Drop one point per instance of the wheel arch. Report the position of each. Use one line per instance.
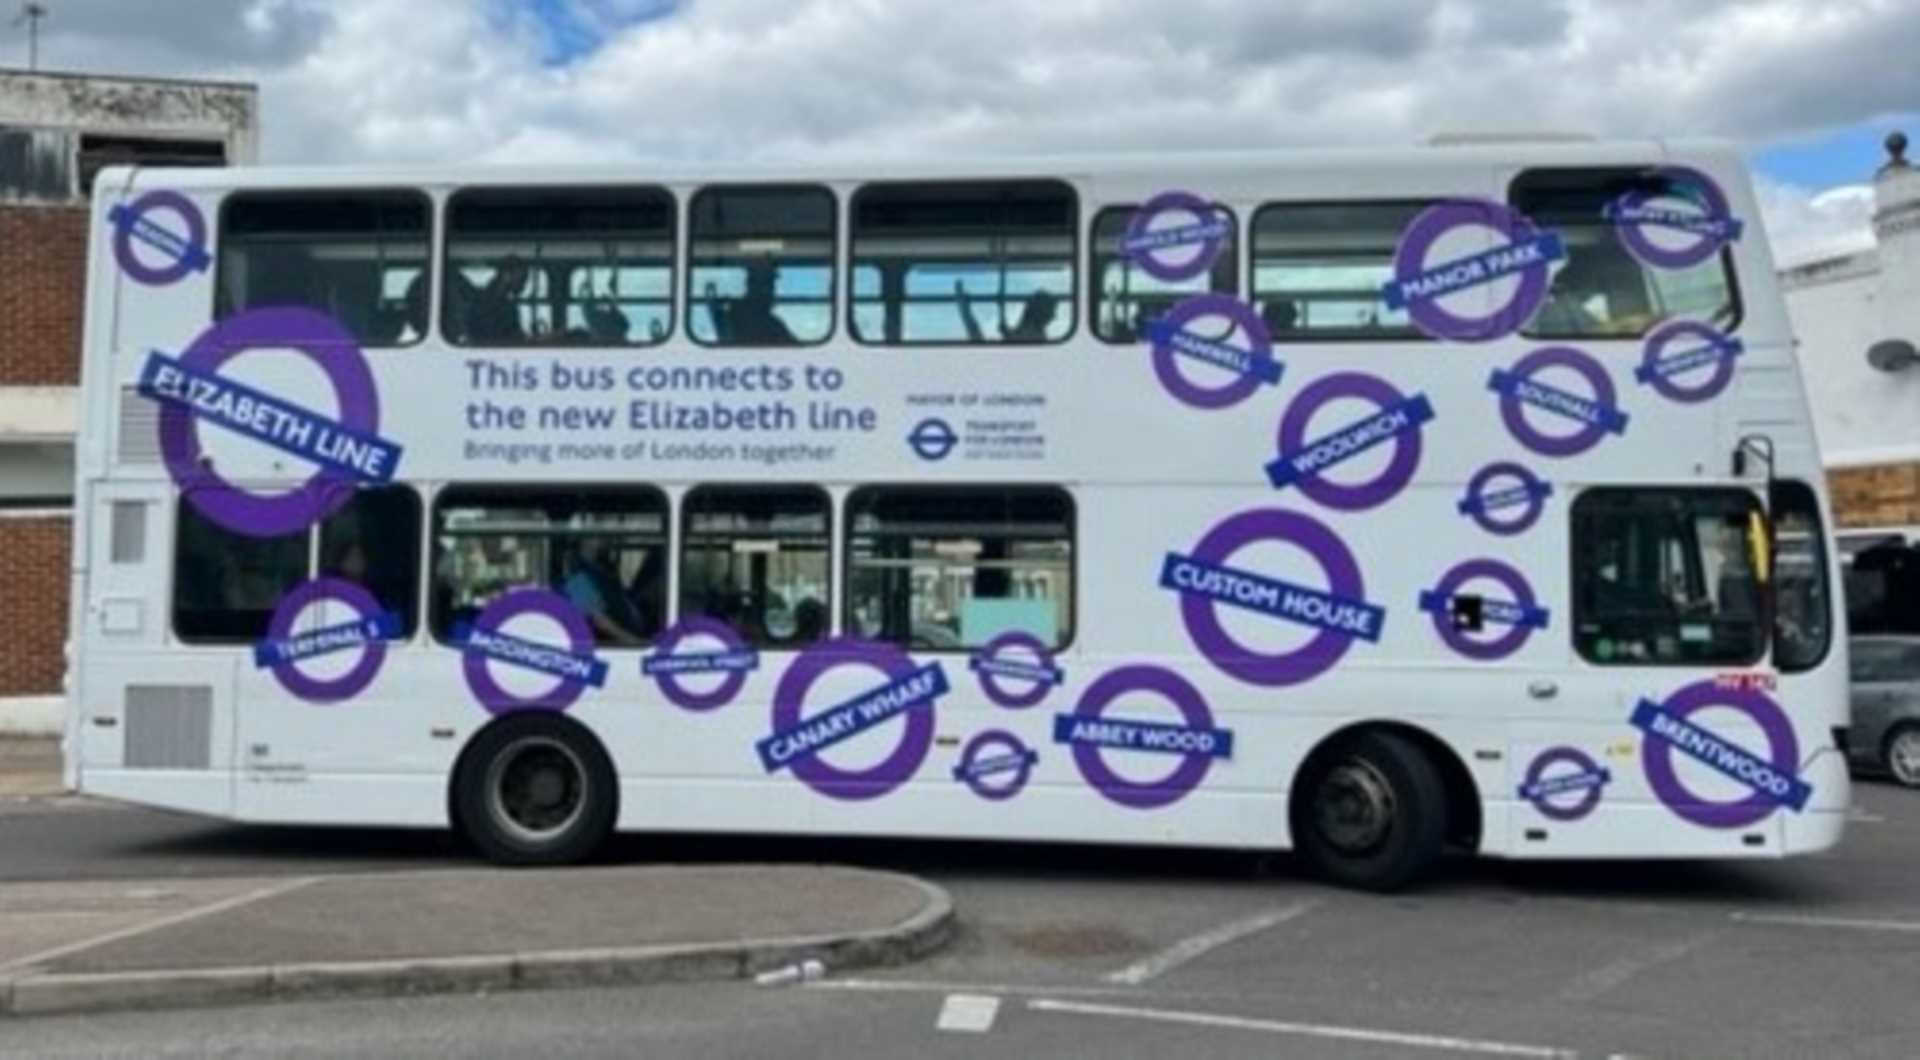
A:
(1465, 816)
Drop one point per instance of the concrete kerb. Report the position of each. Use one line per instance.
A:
(916, 937)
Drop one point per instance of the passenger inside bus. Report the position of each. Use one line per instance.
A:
(750, 320)
(493, 315)
(1036, 316)
(1280, 316)
(594, 587)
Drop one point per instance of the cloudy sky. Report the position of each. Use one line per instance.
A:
(1810, 87)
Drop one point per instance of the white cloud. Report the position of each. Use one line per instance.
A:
(452, 81)
(1805, 225)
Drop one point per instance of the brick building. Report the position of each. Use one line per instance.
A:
(56, 132)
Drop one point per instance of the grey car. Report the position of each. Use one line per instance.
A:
(1886, 705)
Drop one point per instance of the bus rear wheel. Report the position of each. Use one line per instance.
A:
(1373, 813)
(535, 789)
(1901, 755)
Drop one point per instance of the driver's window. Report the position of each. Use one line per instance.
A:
(756, 558)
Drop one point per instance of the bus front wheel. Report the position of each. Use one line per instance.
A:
(535, 789)
(1372, 812)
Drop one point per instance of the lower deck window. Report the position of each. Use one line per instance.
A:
(605, 550)
(951, 568)
(1668, 576)
(757, 558)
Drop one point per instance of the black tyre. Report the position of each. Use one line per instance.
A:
(1901, 755)
(535, 789)
(1371, 813)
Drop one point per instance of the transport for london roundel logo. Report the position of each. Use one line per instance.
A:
(1678, 220)
(290, 655)
(1212, 351)
(344, 448)
(1331, 613)
(159, 238)
(1102, 736)
(898, 707)
(1454, 286)
(529, 649)
(700, 651)
(1758, 783)
(1564, 783)
(1176, 236)
(1307, 462)
(1537, 405)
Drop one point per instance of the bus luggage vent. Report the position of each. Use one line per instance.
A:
(168, 727)
(139, 439)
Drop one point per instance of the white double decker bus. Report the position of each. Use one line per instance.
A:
(1365, 503)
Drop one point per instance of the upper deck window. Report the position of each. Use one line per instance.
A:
(1318, 269)
(358, 256)
(1127, 298)
(986, 262)
(762, 266)
(1601, 290)
(559, 266)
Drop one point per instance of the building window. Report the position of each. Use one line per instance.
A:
(951, 568)
(227, 585)
(605, 550)
(1127, 298)
(1601, 290)
(361, 257)
(964, 263)
(761, 266)
(1318, 269)
(559, 267)
(757, 558)
(1667, 577)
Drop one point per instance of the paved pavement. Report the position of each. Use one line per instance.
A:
(1105, 951)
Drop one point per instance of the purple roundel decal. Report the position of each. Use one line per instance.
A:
(367, 633)
(1691, 227)
(191, 391)
(166, 225)
(1457, 615)
(1016, 669)
(486, 644)
(1564, 783)
(1688, 362)
(1594, 414)
(1505, 498)
(906, 692)
(1176, 236)
(995, 765)
(1770, 778)
(1304, 461)
(1202, 329)
(669, 665)
(1426, 288)
(1205, 581)
(1093, 735)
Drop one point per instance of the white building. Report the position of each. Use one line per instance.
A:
(1857, 317)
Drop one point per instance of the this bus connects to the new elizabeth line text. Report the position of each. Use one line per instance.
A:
(1368, 503)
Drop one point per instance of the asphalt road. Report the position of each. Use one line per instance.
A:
(1074, 951)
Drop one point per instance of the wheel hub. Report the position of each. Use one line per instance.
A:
(536, 789)
(1355, 808)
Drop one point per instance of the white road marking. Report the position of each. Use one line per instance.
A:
(1187, 949)
(1828, 922)
(1860, 816)
(1607, 977)
(1308, 1030)
(235, 902)
(925, 986)
(968, 1013)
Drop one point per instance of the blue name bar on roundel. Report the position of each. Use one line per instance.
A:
(1348, 442)
(843, 722)
(1688, 360)
(267, 419)
(1474, 271)
(326, 640)
(1722, 756)
(1123, 735)
(531, 655)
(704, 663)
(1498, 612)
(1555, 400)
(1272, 597)
(1219, 354)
